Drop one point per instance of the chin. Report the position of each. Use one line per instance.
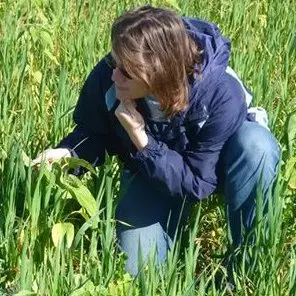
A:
(125, 95)
(121, 95)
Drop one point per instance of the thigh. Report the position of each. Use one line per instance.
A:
(142, 204)
(250, 158)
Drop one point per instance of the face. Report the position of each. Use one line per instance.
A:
(127, 87)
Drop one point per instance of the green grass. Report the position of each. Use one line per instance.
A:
(46, 50)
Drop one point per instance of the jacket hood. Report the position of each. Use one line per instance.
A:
(215, 47)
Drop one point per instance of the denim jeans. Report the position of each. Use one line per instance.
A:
(147, 220)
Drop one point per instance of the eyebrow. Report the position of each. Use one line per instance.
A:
(121, 69)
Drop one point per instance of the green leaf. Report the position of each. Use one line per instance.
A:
(290, 172)
(46, 39)
(26, 159)
(3, 153)
(292, 181)
(80, 192)
(174, 4)
(37, 76)
(51, 57)
(292, 44)
(291, 131)
(167, 3)
(88, 289)
(74, 163)
(61, 230)
(24, 293)
(120, 286)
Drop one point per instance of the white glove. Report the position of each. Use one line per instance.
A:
(51, 155)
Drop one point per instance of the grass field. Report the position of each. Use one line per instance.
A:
(57, 232)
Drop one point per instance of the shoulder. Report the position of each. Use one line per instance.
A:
(96, 85)
(91, 106)
(100, 75)
(215, 92)
(220, 102)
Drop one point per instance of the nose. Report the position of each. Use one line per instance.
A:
(117, 76)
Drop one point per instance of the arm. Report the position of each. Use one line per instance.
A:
(82, 144)
(193, 174)
(87, 141)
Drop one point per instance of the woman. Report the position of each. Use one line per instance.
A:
(177, 116)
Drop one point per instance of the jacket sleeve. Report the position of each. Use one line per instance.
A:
(85, 145)
(192, 174)
(87, 141)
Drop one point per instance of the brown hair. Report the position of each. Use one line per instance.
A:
(153, 46)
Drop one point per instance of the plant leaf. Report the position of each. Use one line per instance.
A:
(26, 159)
(24, 293)
(291, 131)
(80, 192)
(290, 172)
(170, 3)
(61, 230)
(77, 162)
(292, 181)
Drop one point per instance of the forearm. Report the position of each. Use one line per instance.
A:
(176, 174)
(139, 138)
(85, 146)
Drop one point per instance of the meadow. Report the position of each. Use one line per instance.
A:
(56, 230)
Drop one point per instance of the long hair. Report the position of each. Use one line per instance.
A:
(152, 45)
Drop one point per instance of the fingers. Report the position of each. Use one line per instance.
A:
(129, 103)
(130, 107)
(40, 158)
(127, 107)
(123, 110)
(129, 117)
(51, 155)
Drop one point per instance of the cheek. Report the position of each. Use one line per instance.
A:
(140, 89)
(122, 94)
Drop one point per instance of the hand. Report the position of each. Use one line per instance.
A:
(129, 117)
(133, 122)
(51, 155)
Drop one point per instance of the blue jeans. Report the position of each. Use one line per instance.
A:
(147, 220)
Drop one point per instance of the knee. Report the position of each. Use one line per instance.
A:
(147, 241)
(251, 157)
(254, 144)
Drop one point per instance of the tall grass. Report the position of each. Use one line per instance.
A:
(47, 49)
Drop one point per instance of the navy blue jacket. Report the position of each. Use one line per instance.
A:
(183, 152)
